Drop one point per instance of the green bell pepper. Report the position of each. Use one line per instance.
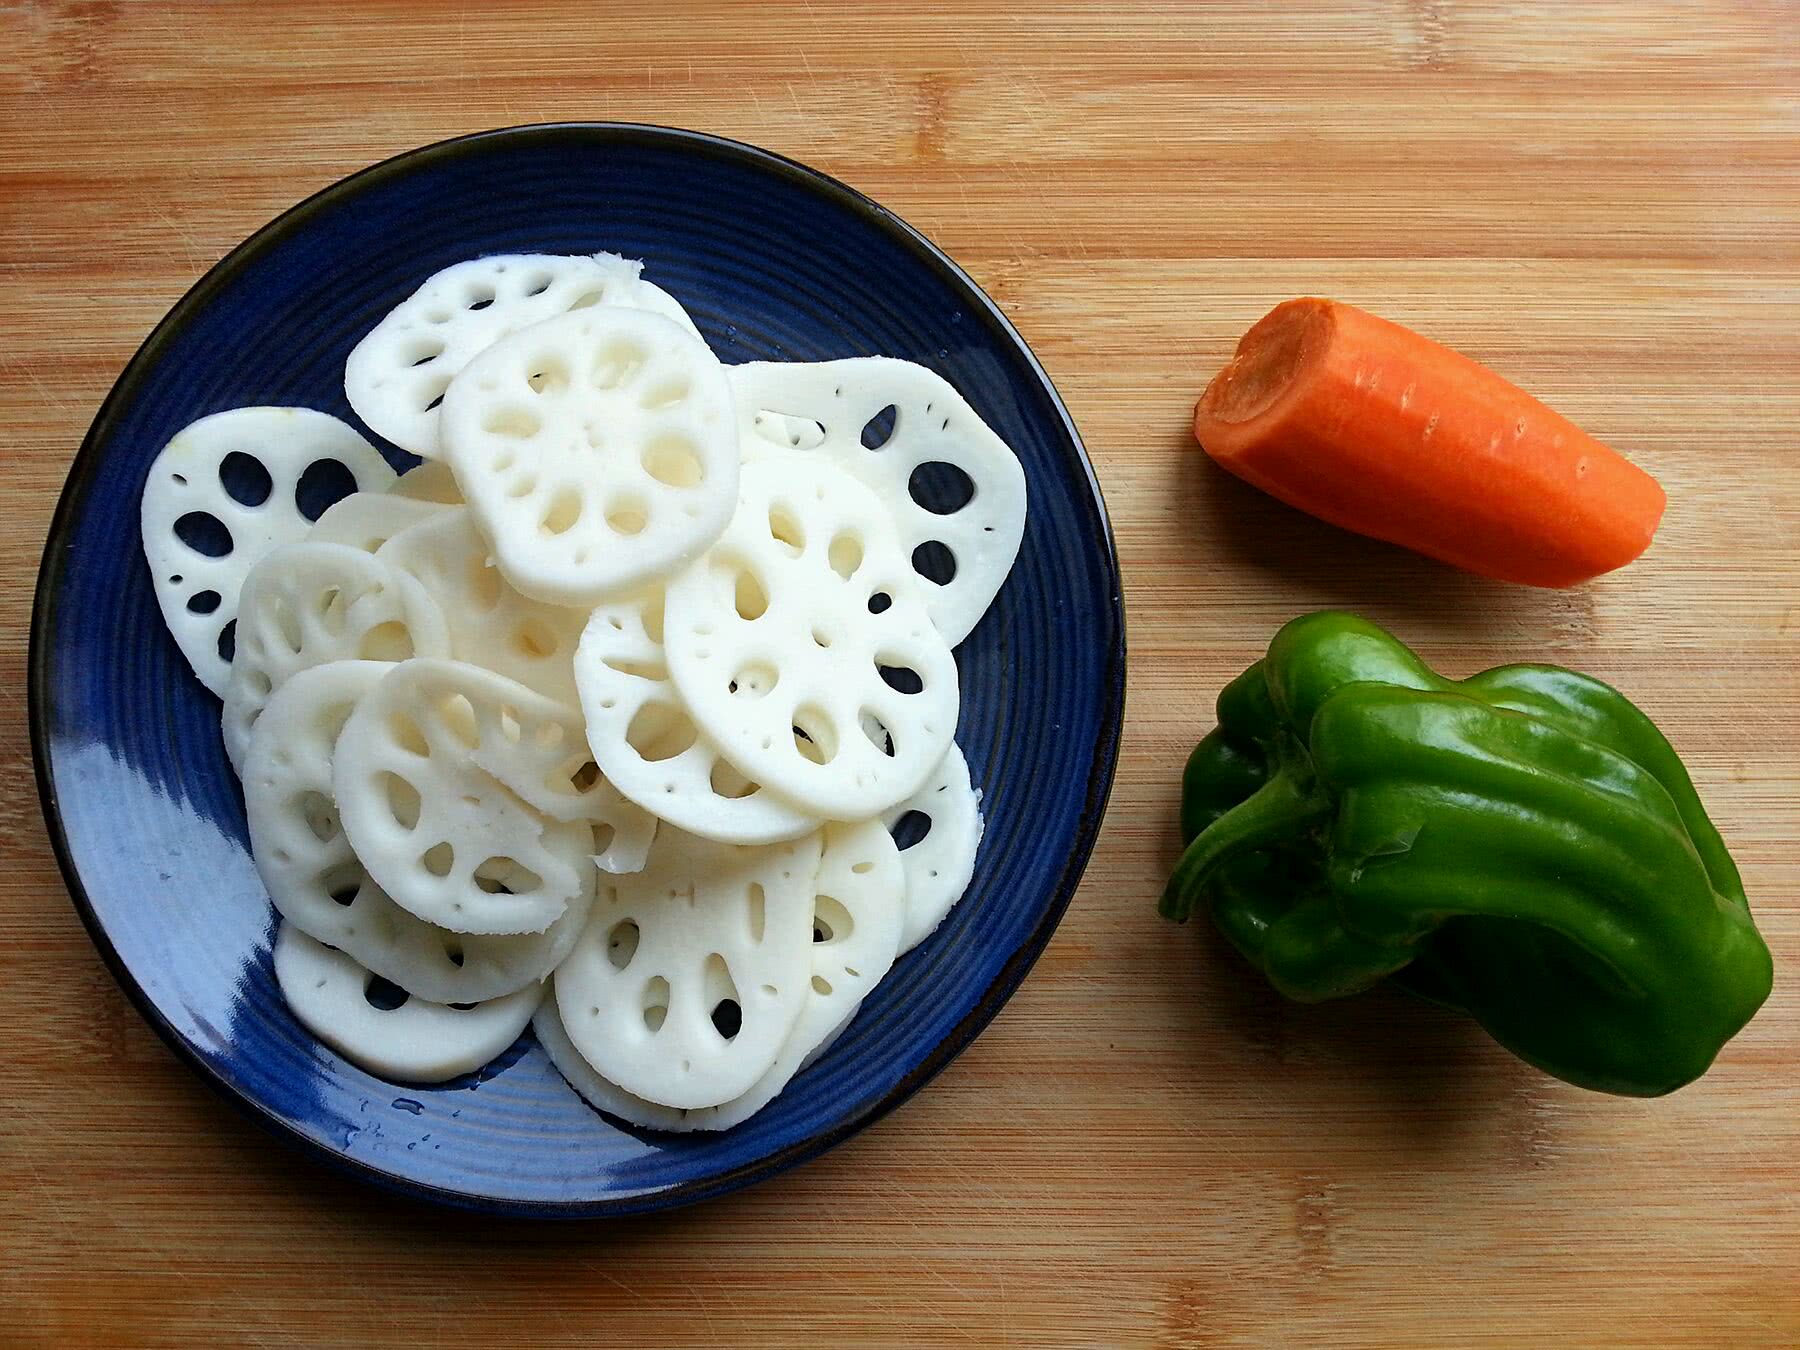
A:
(1523, 845)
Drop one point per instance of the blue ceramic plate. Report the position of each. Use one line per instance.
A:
(774, 261)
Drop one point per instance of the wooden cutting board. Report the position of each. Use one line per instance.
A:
(1147, 1148)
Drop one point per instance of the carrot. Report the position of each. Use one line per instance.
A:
(1367, 425)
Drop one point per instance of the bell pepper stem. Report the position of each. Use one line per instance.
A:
(1276, 811)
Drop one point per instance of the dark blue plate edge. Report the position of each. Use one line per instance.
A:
(80, 482)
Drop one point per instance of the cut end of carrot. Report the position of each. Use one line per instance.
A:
(1269, 360)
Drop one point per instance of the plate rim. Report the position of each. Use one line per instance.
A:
(79, 484)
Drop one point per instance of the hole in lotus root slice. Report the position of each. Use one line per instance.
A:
(673, 461)
(323, 484)
(815, 629)
(728, 783)
(505, 876)
(342, 884)
(479, 584)
(383, 995)
(756, 911)
(490, 624)
(655, 1001)
(786, 433)
(537, 640)
(441, 857)
(857, 895)
(622, 943)
(330, 606)
(831, 921)
(876, 731)
(404, 728)
(940, 488)
(309, 604)
(424, 350)
(512, 423)
(934, 561)
(647, 746)
(390, 641)
(938, 831)
(316, 881)
(474, 804)
(407, 1039)
(616, 362)
(320, 814)
(284, 620)
(815, 735)
(204, 533)
(901, 679)
(219, 498)
(623, 836)
(402, 801)
(557, 505)
(942, 473)
(749, 597)
(405, 362)
(659, 732)
(694, 952)
(550, 377)
(627, 516)
(909, 828)
(754, 679)
(245, 479)
(663, 394)
(563, 512)
(453, 714)
(846, 555)
(785, 529)
(727, 1018)
(879, 429)
(723, 1009)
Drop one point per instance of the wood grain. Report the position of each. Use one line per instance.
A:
(1146, 1148)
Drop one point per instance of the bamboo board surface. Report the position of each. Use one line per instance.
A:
(1146, 1148)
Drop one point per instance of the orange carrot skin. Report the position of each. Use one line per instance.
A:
(1376, 429)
